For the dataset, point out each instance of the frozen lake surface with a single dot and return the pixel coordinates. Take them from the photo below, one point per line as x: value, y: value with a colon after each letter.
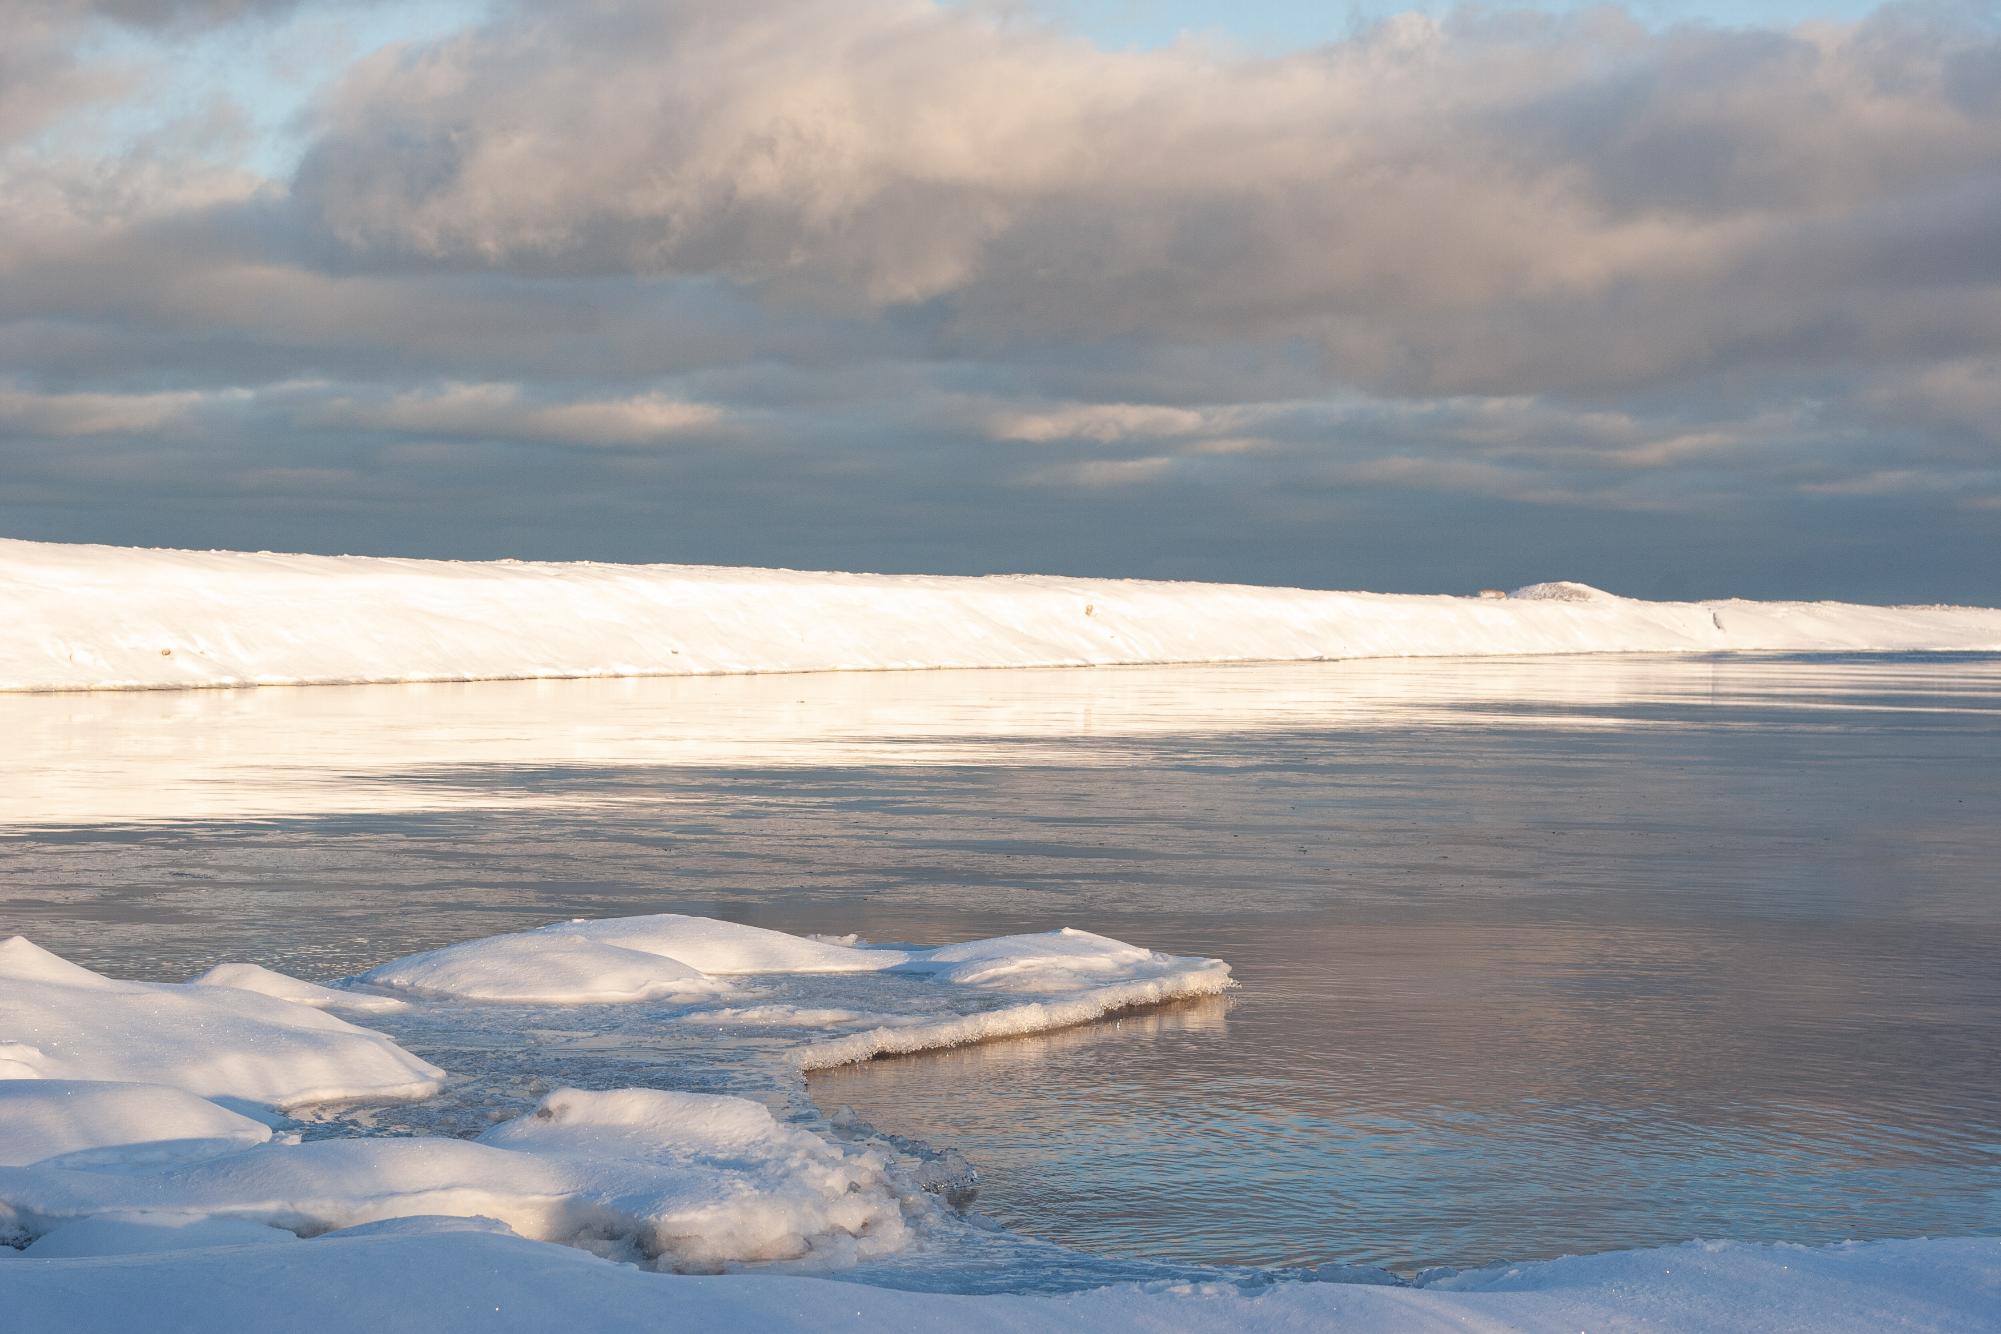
x: 1536, y: 956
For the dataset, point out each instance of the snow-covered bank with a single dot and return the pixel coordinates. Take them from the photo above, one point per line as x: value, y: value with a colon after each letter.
x: 447, y: 1281
x: 87, y: 617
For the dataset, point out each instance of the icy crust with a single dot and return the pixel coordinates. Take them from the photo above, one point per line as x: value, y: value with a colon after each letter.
x: 101, y: 1123
x: 682, y: 1180
x: 451, y: 1280
x: 60, y: 1021
x: 904, y: 1036
x: 93, y: 617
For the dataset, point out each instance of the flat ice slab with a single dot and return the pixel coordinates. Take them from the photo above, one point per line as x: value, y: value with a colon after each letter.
x: 106, y: 618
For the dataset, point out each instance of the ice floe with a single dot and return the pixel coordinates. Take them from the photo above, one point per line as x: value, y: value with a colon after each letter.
x: 932, y: 997
x: 94, y: 617
x: 60, y: 1021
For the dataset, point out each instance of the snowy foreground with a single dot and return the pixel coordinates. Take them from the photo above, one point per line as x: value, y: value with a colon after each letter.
x: 87, y: 617
x: 231, y: 1154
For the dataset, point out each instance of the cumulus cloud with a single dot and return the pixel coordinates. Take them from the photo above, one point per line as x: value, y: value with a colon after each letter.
x: 1453, y: 206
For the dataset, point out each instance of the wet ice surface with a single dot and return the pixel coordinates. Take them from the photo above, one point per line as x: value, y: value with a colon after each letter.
x: 1537, y: 957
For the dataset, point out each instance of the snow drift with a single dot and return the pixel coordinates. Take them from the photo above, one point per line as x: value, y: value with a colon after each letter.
x: 101, y: 618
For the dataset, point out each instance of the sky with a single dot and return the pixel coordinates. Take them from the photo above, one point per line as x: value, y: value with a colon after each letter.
x: 1679, y: 299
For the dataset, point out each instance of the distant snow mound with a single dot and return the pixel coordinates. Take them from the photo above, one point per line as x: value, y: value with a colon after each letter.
x: 1562, y: 590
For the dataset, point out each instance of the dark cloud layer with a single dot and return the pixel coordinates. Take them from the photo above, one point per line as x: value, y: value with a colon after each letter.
x: 882, y: 284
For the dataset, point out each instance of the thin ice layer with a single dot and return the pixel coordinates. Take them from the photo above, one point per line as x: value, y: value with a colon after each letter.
x: 59, y: 1021
x: 687, y: 1180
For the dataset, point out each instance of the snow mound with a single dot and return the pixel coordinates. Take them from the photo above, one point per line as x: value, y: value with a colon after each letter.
x: 60, y: 1021
x: 719, y: 947
x: 110, y: 618
x: 1062, y: 960
x: 548, y: 966
x: 684, y: 1180
x: 1563, y: 590
x: 265, y: 982
x: 93, y: 1123
x: 665, y: 956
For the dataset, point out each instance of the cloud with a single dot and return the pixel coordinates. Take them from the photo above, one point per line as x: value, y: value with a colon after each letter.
x: 503, y: 412
x: 1102, y: 422
x: 1471, y: 205
x: 894, y: 284
x: 1963, y: 394
x: 1101, y: 474
x: 68, y: 415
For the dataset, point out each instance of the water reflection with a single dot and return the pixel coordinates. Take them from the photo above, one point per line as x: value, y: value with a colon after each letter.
x: 1537, y: 956
x: 135, y: 757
